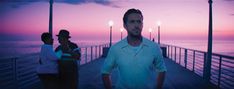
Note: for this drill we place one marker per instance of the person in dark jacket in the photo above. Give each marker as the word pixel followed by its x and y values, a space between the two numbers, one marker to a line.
pixel 68 64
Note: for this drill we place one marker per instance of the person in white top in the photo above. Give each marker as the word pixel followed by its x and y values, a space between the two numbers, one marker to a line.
pixel 47 70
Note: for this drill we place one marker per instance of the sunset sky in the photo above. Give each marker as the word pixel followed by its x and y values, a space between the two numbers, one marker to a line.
pixel 88 19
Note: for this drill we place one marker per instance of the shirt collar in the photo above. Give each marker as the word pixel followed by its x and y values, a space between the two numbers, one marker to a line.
pixel 124 42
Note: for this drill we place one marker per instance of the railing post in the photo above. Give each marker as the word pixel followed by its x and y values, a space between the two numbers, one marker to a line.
pixel 14 69
pixel 185 58
pixel 204 65
pixel 168 51
pixel 86 55
pixel 171 52
pixel 91 53
pixel 175 54
pixel 99 50
pixel 193 59
pixel 220 69
pixel 180 56
pixel 96 52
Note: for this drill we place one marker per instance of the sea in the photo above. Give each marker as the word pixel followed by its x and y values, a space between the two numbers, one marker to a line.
pixel 10 49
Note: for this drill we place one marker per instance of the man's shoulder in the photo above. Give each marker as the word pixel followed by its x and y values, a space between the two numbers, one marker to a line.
pixel 119 44
pixel 147 41
pixel 73 45
pixel 150 43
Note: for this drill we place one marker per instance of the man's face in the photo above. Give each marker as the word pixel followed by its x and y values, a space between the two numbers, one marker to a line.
pixel 134 24
pixel 62 40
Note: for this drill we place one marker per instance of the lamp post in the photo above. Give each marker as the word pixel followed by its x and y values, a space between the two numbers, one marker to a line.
pixel 121 35
pixel 51 17
pixel 150 30
pixel 207 70
pixel 158 23
pixel 111 23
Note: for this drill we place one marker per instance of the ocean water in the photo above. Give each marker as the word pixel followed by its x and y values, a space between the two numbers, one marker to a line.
pixel 9 49
pixel 16 48
pixel 224 47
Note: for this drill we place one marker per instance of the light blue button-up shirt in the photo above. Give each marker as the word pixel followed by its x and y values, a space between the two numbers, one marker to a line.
pixel 134 66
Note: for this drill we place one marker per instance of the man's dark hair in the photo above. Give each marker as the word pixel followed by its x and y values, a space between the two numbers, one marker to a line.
pixel 130 11
pixel 45 36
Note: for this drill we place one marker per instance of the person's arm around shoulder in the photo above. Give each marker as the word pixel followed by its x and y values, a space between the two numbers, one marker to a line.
pixel 75 52
pixel 51 53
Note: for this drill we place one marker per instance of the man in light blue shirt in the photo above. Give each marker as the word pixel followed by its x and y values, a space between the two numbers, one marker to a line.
pixel 135 57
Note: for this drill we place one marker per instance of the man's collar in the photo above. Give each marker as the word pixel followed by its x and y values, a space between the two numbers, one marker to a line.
pixel 124 42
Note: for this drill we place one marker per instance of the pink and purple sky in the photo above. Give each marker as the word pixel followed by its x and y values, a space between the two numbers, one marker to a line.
pixel 88 19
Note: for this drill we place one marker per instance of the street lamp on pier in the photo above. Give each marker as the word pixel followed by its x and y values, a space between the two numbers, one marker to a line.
pixel 121 35
pixel 150 31
pixel 111 23
pixel 158 23
pixel 51 17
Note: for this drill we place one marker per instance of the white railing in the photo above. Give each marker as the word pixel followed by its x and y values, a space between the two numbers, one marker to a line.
pixel 222 66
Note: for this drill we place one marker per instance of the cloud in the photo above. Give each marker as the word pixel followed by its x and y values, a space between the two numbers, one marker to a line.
pixel 18 3
pixel 228 0
pixel 232 14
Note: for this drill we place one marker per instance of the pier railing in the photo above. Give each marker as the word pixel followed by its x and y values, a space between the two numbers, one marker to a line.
pixel 222 66
pixel 91 53
pixel 20 72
